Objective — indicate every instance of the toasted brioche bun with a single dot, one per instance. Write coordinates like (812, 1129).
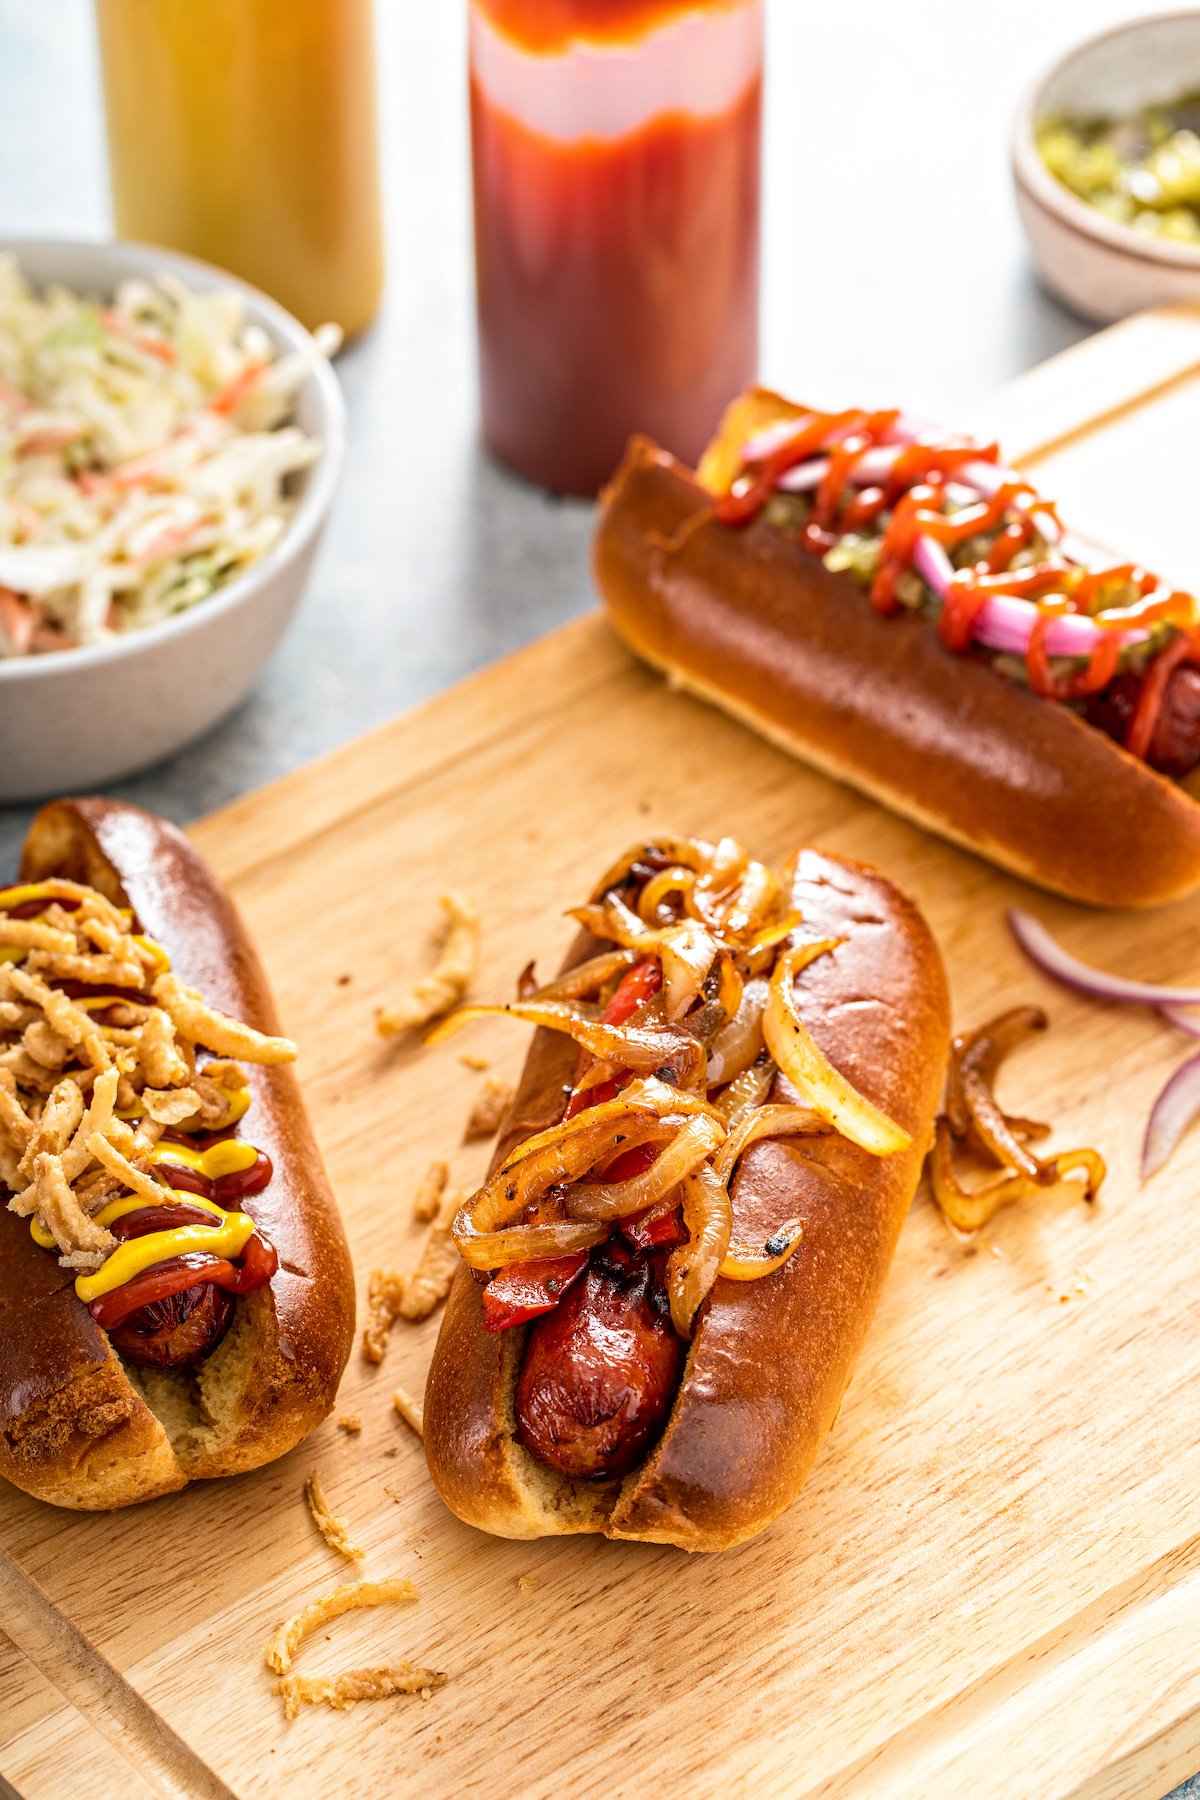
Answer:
(77, 1426)
(750, 621)
(770, 1359)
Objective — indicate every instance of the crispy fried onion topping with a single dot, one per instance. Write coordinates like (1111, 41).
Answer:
(332, 1527)
(975, 1128)
(352, 1685)
(697, 936)
(344, 1690)
(415, 1293)
(450, 977)
(353, 1594)
(101, 1049)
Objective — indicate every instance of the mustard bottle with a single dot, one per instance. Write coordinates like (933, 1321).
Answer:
(244, 132)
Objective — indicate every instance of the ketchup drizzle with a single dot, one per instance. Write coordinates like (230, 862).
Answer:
(914, 488)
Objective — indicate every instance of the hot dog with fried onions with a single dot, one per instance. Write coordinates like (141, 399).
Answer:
(176, 1299)
(671, 1267)
(886, 601)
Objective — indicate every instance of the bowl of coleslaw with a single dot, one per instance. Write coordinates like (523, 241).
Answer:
(170, 446)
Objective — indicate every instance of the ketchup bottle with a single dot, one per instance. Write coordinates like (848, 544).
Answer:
(616, 150)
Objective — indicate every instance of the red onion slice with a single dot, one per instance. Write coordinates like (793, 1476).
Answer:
(905, 431)
(933, 565)
(988, 477)
(1058, 963)
(1006, 622)
(804, 477)
(1183, 1017)
(760, 446)
(1174, 1110)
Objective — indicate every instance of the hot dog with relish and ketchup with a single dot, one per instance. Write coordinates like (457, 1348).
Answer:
(672, 1265)
(885, 600)
(176, 1300)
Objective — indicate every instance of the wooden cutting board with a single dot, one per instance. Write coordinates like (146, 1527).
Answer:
(991, 1586)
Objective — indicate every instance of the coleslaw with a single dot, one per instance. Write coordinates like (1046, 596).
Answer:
(146, 454)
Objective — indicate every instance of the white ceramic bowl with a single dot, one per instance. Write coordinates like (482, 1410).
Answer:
(1101, 269)
(77, 719)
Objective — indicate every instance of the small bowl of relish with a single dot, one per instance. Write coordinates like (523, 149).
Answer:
(1106, 162)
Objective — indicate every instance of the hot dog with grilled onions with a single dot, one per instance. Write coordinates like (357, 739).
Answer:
(887, 602)
(694, 1202)
(176, 1298)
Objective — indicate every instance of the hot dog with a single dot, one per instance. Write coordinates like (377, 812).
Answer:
(176, 1298)
(671, 1267)
(887, 602)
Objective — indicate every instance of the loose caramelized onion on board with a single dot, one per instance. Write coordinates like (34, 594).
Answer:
(975, 1123)
(689, 1064)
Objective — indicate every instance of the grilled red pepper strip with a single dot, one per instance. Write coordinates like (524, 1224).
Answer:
(524, 1290)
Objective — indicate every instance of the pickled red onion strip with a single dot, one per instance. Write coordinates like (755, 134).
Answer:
(1177, 1106)
(1060, 965)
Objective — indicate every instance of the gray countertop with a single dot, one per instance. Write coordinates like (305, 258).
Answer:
(894, 273)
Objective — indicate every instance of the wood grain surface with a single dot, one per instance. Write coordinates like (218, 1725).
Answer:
(991, 1586)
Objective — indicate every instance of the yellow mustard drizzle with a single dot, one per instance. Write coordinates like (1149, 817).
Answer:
(229, 1157)
(154, 949)
(238, 1098)
(116, 1209)
(28, 890)
(136, 1254)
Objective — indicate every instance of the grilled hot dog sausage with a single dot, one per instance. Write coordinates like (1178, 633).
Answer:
(1174, 748)
(175, 1332)
(600, 1371)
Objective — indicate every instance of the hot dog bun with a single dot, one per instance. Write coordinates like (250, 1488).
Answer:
(750, 621)
(77, 1427)
(769, 1360)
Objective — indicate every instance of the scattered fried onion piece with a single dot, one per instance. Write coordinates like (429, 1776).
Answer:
(412, 1293)
(970, 1104)
(332, 1527)
(491, 1103)
(410, 1409)
(31, 934)
(450, 976)
(348, 1598)
(974, 1120)
(346, 1690)
(428, 1198)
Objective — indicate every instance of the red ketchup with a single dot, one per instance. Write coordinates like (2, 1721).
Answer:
(616, 151)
